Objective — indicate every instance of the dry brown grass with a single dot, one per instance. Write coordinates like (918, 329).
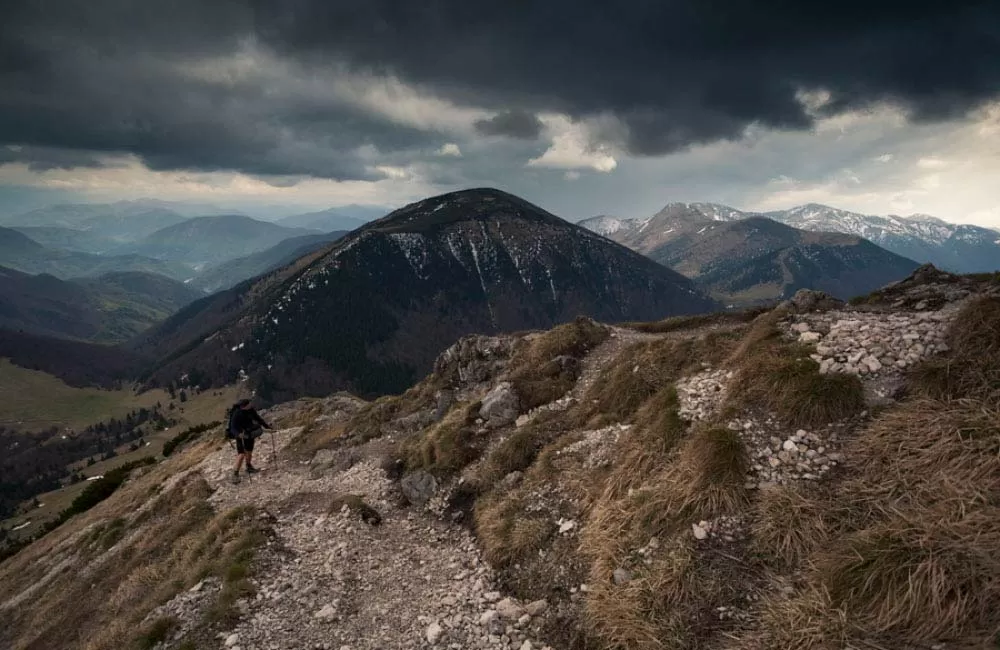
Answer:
(539, 379)
(670, 600)
(679, 323)
(972, 369)
(788, 525)
(657, 493)
(928, 452)
(643, 370)
(507, 532)
(762, 333)
(784, 380)
(100, 604)
(447, 446)
(807, 620)
(918, 576)
(655, 608)
(368, 422)
(911, 534)
(526, 447)
(649, 446)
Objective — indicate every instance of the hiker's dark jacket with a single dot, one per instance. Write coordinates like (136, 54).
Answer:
(246, 420)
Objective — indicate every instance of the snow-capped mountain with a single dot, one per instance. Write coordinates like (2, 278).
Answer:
(920, 237)
(954, 247)
(372, 311)
(752, 259)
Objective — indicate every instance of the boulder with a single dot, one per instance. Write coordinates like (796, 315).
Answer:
(418, 487)
(501, 405)
(806, 300)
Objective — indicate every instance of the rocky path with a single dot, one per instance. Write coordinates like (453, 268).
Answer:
(330, 580)
(598, 359)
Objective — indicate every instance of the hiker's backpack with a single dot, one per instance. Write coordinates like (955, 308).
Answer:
(230, 431)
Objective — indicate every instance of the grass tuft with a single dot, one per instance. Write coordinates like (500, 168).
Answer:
(157, 632)
(679, 323)
(788, 526)
(972, 369)
(785, 381)
(537, 376)
(507, 532)
(643, 370)
(447, 446)
(918, 579)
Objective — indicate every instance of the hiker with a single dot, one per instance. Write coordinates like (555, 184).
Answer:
(245, 426)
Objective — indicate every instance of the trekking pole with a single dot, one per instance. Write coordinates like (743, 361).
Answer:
(274, 454)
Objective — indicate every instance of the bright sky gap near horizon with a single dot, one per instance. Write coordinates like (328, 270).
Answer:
(874, 107)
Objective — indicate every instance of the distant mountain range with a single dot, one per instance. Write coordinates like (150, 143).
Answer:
(372, 311)
(954, 247)
(20, 252)
(121, 222)
(108, 309)
(741, 259)
(143, 235)
(324, 221)
(205, 241)
(230, 273)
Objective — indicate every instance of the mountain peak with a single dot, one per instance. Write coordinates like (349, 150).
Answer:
(477, 204)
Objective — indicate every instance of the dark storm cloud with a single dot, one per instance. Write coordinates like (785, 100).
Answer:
(117, 77)
(112, 75)
(674, 72)
(44, 158)
(511, 124)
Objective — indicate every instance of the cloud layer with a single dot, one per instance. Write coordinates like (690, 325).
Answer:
(463, 91)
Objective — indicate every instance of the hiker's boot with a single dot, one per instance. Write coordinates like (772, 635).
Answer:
(251, 469)
(235, 477)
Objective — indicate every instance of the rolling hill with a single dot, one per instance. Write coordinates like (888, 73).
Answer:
(203, 241)
(121, 222)
(108, 309)
(20, 252)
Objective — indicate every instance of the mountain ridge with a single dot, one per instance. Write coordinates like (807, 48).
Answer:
(229, 273)
(957, 247)
(755, 259)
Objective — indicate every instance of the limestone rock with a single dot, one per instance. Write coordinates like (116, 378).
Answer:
(536, 607)
(418, 487)
(500, 406)
(621, 576)
(434, 632)
(806, 300)
(510, 610)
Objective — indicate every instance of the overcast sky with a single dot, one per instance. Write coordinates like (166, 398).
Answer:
(583, 107)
